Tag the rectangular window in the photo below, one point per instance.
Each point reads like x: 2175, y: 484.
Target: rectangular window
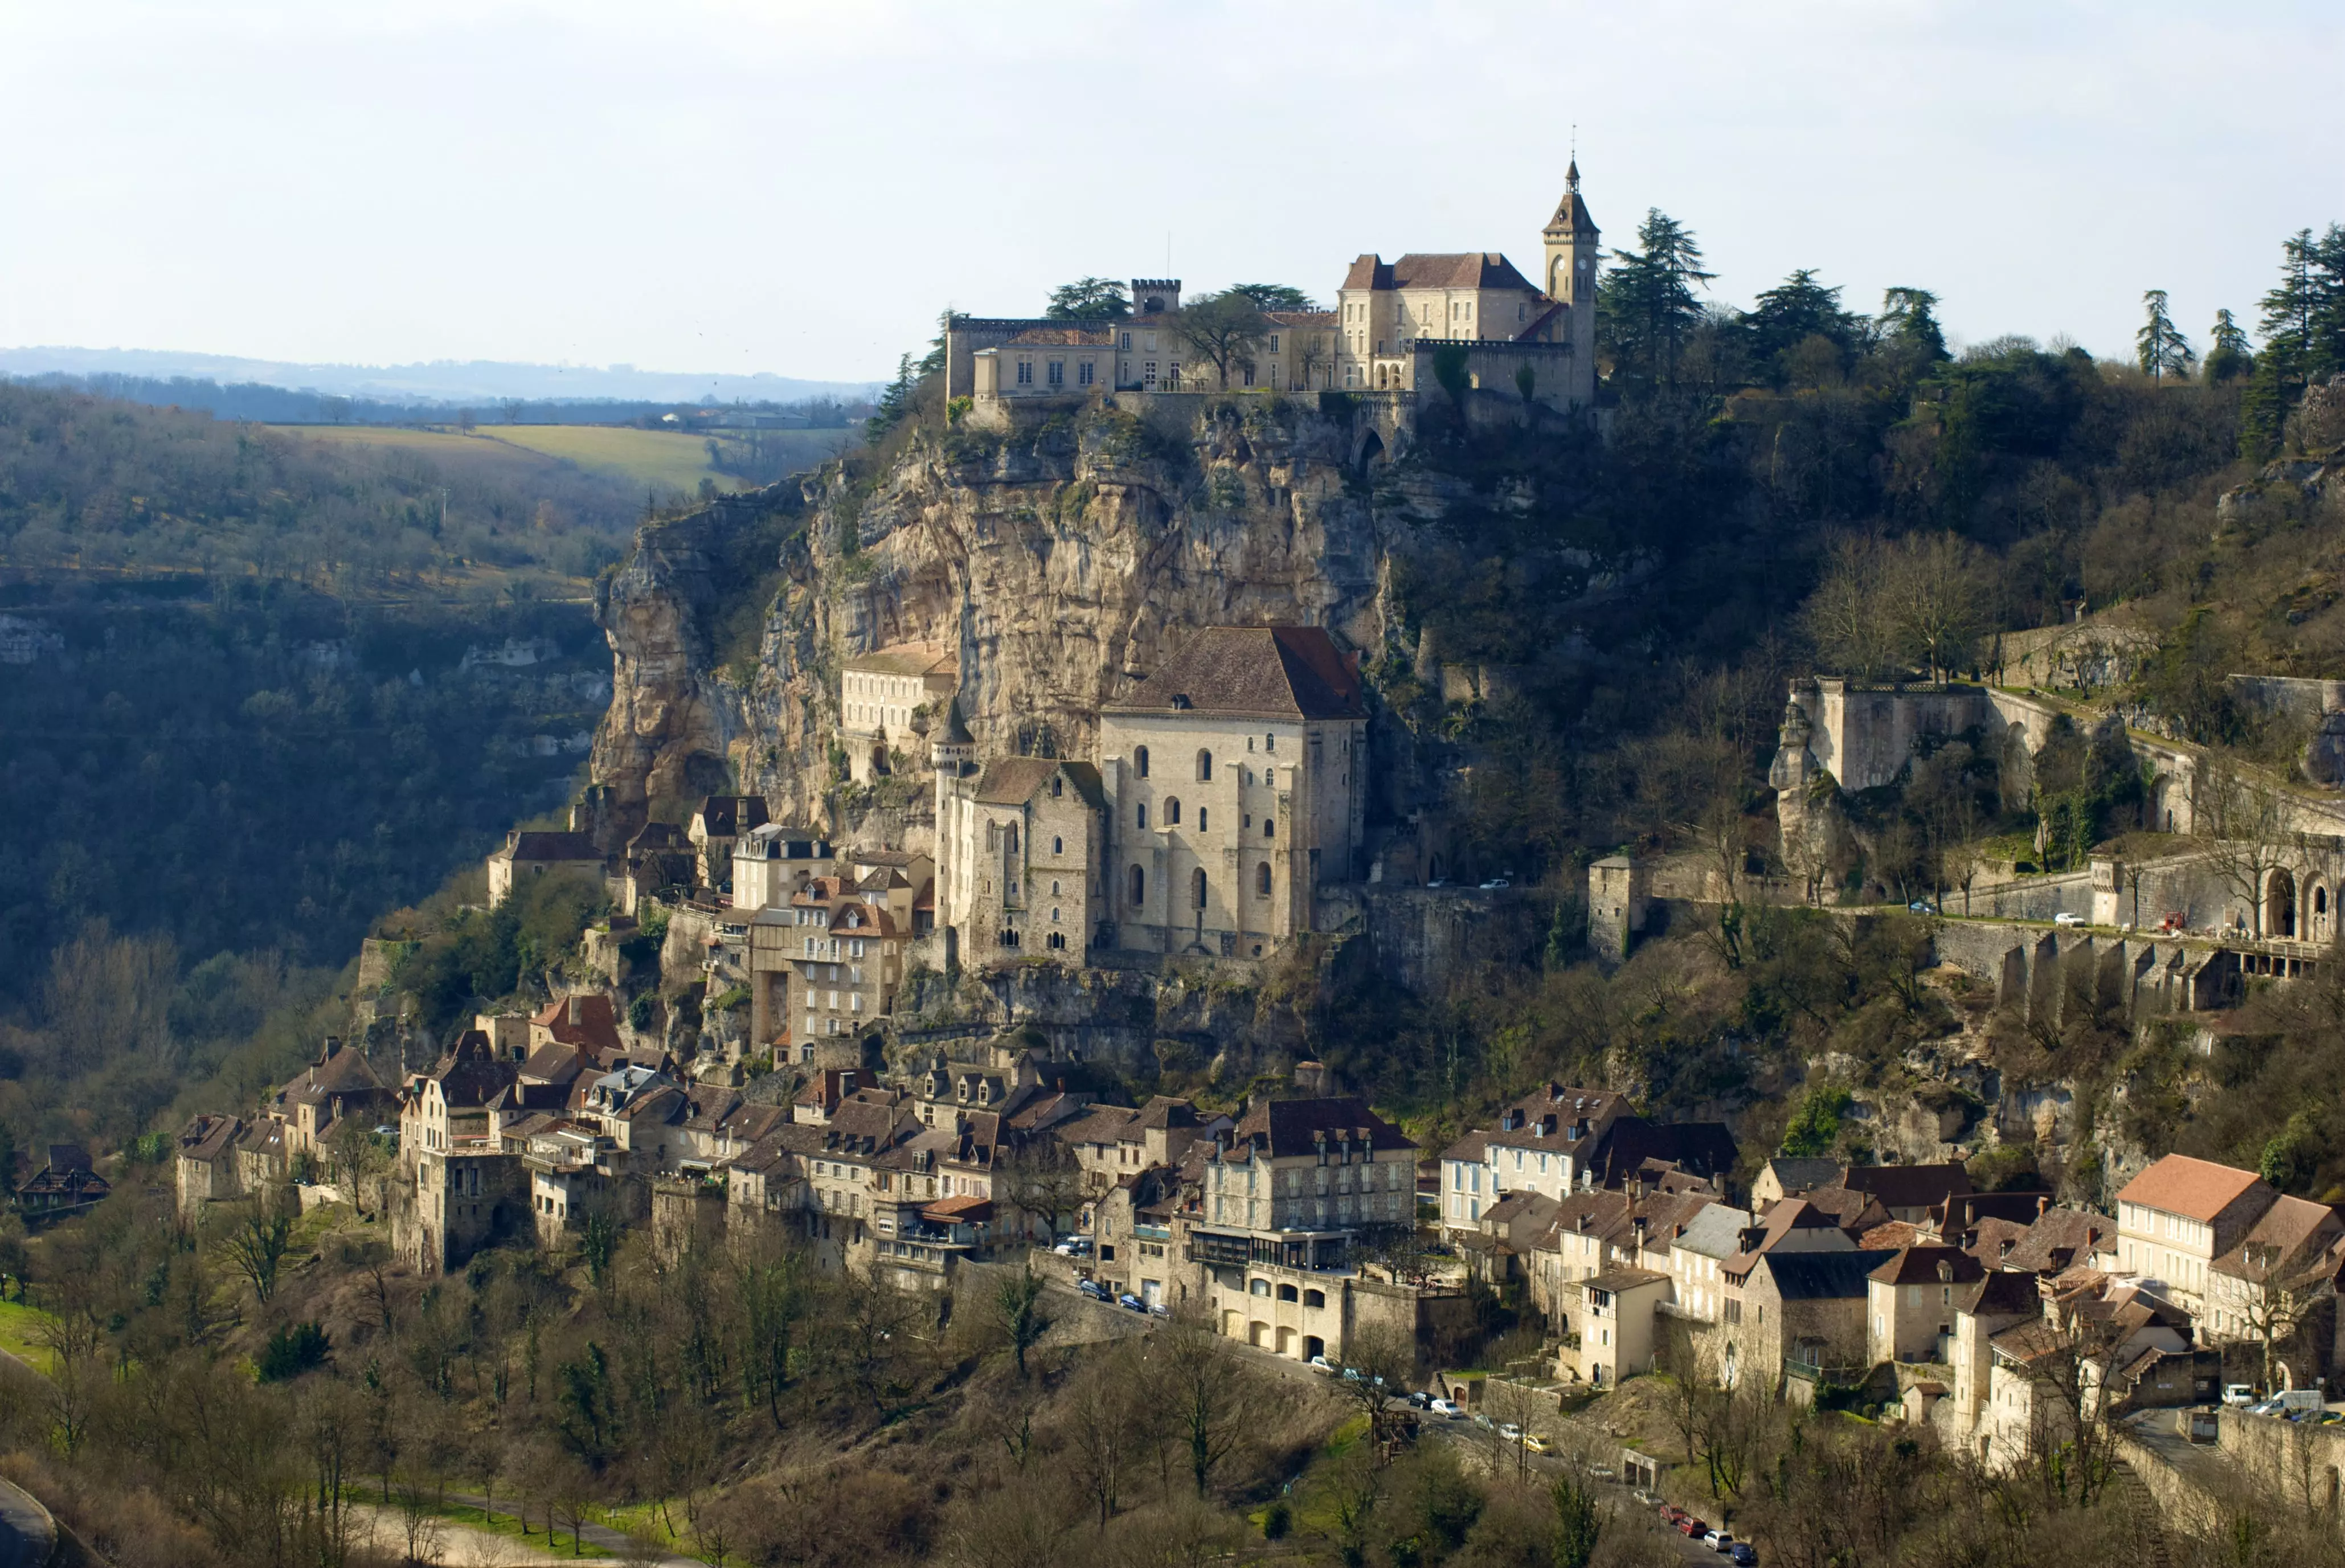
x: 1274, y: 342
x: 1083, y: 374
x: 1025, y: 373
x: 1058, y: 372
x: 1148, y: 373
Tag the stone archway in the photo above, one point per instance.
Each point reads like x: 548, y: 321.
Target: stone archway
x: 2279, y: 904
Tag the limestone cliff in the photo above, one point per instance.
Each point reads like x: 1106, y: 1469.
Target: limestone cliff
x: 1059, y: 560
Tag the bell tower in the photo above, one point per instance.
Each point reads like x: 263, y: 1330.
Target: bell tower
x: 1570, y: 237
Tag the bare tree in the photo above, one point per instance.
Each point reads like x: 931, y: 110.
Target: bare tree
x: 1936, y: 601
x: 2251, y: 840
x: 2272, y: 1301
x: 1378, y: 1365
x: 2069, y: 1359
x: 1203, y: 1391
x: 1225, y: 329
x: 1852, y: 616
x: 1103, y: 1439
x: 259, y: 1236
x: 1041, y: 1181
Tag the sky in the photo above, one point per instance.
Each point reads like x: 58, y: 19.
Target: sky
x: 729, y: 187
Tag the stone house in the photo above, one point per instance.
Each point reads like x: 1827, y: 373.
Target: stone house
x: 1112, y: 1143
x: 462, y: 1198
x: 1698, y: 1257
x: 2283, y: 1268
x: 341, y: 1083
x: 264, y: 1155
x: 1785, y: 1178
x: 1020, y: 855
x: 1235, y: 784
x: 586, y: 1022
x: 1543, y: 1143
x: 1996, y: 1300
x: 1908, y: 1191
x: 886, y: 699
x: 2178, y: 1216
x: 1297, y: 1179
x: 1615, y: 1325
x: 716, y: 827
x: 773, y: 860
x: 1796, y: 1312
x: 532, y: 853
x: 446, y: 1107
x: 1911, y: 1302
x: 205, y: 1167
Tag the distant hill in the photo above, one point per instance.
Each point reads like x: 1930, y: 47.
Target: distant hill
x: 445, y: 382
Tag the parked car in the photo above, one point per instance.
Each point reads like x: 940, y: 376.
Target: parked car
x: 2239, y: 1394
x: 2307, y: 1400
x: 1672, y: 1515
x: 1073, y: 1246
x: 1537, y: 1444
x: 1418, y: 1399
x: 1922, y: 907
x: 1689, y: 1525
x: 1161, y: 1311
x: 1742, y: 1555
x: 1091, y: 1288
x: 1718, y: 1540
x: 1603, y: 1473
x: 2066, y: 918
x: 1495, y: 884
x: 1483, y: 1420
x: 1645, y: 1498
x: 1130, y: 1302
x: 1351, y: 1374
x: 1322, y: 1366
x: 1511, y: 1433
x: 1446, y: 1409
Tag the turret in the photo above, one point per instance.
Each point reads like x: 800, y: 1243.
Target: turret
x: 1571, y: 246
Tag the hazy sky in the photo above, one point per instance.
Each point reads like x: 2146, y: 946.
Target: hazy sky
x: 694, y: 185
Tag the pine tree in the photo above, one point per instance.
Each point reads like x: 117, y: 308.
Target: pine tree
x: 2159, y: 346
x: 1798, y: 308
x: 2229, y: 357
x: 1648, y: 309
x: 1908, y: 319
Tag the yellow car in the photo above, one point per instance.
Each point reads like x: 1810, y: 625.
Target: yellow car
x: 1537, y: 1444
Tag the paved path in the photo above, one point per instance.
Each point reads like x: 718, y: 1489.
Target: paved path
x: 27, y: 1534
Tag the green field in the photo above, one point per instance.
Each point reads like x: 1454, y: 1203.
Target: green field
x: 20, y: 1334
x: 672, y: 461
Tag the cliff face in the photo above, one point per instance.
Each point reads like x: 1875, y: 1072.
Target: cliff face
x: 1060, y: 561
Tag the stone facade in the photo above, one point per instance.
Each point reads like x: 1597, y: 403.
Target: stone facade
x: 1019, y: 845
x: 886, y: 701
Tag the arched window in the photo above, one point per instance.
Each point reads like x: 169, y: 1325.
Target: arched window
x: 1058, y: 847
x: 1204, y: 767
x: 1269, y: 742
x: 1172, y: 812
x: 1269, y: 828
x: 1270, y: 778
x: 1260, y: 880
x: 1142, y: 817
x: 1139, y: 887
x: 1201, y: 819
x: 1140, y: 760
x: 1058, y: 785
x: 1197, y: 886
x: 1010, y: 839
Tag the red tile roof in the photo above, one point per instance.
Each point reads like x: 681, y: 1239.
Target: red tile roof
x: 2195, y: 1188
x: 1273, y: 671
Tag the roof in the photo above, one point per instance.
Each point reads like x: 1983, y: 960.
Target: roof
x: 1273, y: 671
x: 2194, y: 1189
x: 1999, y: 1293
x: 1469, y: 1148
x: 2291, y: 1226
x: 1796, y: 1175
x: 1302, y: 318
x: 1715, y: 1231
x: 1821, y: 1276
x: 209, y: 1137
x: 469, y: 1074
x: 1907, y: 1186
x: 1437, y: 270
x: 917, y: 658
x: 1619, y: 1280
x: 866, y: 919
x: 586, y: 1020
x: 2060, y: 1237
x: 339, y: 1070
x: 1702, y: 1148
x: 1571, y: 213
x: 1890, y: 1236
x: 1852, y: 1211
x: 1928, y: 1264
x: 1014, y: 781
x: 536, y: 845
x: 1293, y: 1127
x: 726, y: 815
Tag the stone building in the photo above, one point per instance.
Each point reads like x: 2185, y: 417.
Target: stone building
x: 339, y: 1085
x: 1400, y: 328
x: 2180, y: 1215
x: 773, y: 860
x: 716, y: 827
x: 1911, y: 1302
x: 1296, y: 1180
x: 207, y: 1166
x: 1235, y: 788
x: 529, y: 854
x: 886, y: 699
x: 1019, y: 856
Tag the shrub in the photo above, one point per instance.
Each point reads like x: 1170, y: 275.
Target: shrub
x: 1277, y: 1521
x: 295, y: 1348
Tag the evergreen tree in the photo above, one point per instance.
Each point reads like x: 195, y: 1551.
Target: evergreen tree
x: 2160, y: 347
x: 1088, y: 299
x: 1908, y: 320
x: 1648, y: 309
x: 1795, y: 310
x: 2304, y: 325
x: 2227, y: 355
x: 1275, y: 295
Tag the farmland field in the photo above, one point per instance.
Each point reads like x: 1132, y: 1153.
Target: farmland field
x: 671, y: 461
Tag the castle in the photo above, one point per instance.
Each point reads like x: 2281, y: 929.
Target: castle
x: 1401, y: 327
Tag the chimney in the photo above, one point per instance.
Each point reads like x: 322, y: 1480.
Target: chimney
x: 2043, y: 1203
x: 1640, y: 1232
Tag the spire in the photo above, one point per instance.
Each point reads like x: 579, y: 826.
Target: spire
x: 1571, y: 175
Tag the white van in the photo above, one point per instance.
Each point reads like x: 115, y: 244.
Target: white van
x: 2289, y: 1400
